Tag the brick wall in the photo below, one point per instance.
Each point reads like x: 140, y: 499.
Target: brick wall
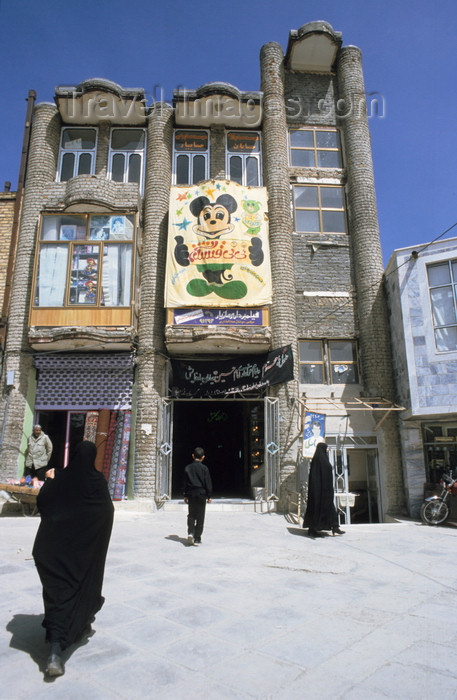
x: 7, y: 202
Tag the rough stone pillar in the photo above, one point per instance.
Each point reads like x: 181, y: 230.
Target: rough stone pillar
x: 283, y: 312
x: 374, y: 331
x: 151, y: 361
x: 41, y: 170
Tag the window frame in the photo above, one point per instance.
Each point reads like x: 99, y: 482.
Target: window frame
x: 452, y: 285
x: 68, y: 241
x: 315, y: 149
x: 77, y: 152
x: 191, y: 154
x: 127, y: 152
x: 326, y: 362
x: 319, y: 208
x: 244, y: 157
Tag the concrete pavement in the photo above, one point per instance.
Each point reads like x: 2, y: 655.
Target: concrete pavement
x: 257, y: 611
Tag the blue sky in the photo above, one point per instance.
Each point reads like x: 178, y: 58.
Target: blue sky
x: 409, y: 58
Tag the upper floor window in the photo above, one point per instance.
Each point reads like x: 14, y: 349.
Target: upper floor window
x: 85, y: 260
x: 442, y: 281
x: 315, y: 148
x: 77, y: 152
x: 243, y: 157
x: 319, y: 209
x: 328, y: 362
x: 126, y: 156
x: 190, y: 156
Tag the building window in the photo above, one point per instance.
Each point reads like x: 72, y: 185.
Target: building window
x: 440, y: 449
x: 85, y: 260
x: 190, y: 156
x: 126, y: 156
x: 77, y: 153
x: 315, y: 148
x: 442, y: 281
x: 319, y: 209
x: 243, y: 158
x: 328, y: 362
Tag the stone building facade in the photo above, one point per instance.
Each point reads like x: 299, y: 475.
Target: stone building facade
x: 108, y: 211
x: 422, y: 296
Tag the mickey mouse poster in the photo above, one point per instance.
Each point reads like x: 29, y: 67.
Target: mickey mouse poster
x: 218, y: 252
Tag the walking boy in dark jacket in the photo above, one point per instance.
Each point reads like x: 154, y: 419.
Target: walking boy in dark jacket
x: 197, y: 490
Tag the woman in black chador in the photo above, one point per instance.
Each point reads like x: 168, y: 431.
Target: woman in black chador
x: 70, y: 550
x: 320, y: 509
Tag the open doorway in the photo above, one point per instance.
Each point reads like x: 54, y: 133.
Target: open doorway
x: 225, y: 430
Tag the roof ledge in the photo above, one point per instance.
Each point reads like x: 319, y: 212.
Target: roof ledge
x: 313, y: 48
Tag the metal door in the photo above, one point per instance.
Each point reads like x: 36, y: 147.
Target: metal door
x: 271, y: 411
x: 165, y: 450
x: 374, y: 492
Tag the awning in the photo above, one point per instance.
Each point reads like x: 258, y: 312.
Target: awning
x: 333, y: 406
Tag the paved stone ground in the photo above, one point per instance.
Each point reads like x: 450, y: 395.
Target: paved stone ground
x: 257, y: 611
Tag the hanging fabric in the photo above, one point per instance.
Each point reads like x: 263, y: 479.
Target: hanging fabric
x: 90, y: 426
x: 101, y: 437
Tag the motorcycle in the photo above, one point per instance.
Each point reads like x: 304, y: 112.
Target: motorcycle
x: 435, y: 510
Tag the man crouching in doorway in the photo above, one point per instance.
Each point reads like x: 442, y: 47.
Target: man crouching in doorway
x: 198, y: 490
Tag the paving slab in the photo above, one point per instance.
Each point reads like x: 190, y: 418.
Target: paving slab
x: 257, y: 611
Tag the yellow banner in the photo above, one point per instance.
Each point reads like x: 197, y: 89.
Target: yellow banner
x: 218, y: 252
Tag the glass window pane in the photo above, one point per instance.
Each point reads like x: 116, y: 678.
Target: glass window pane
x: 84, y: 165
x: 438, y: 274
x: 117, y: 166
x: 332, y: 197
x: 199, y: 170
x: 302, y: 138
x: 236, y: 169
x: 252, y: 171
x: 116, y: 274
x: 84, y: 275
x: 99, y: 227
x: 117, y: 228
x: 344, y: 374
x: 310, y: 350
x: 328, y: 159
x: 307, y: 220
x: 333, y: 222
x: 454, y: 270
x: 326, y: 139
x: 182, y: 170
x: 127, y: 139
x: 443, y: 306
x: 311, y: 374
x: 342, y: 351
x: 78, y: 139
x: 51, y: 276
x: 446, y: 339
x: 302, y: 158
x: 68, y: 167
x: 134, y: 168
x: 306, y: 197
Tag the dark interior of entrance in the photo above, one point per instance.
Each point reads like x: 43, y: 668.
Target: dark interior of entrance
x: 224, y: 430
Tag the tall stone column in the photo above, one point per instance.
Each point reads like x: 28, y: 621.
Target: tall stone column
x: 374, y: 331
x: 41, y: 170
x: 151, y: 360
x: 283, y: 311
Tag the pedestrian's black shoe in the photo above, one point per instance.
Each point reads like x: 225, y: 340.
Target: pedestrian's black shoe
x: 197, y: 541
x: 337, y: 531
x: 315, y: 533
x: 54, y: 666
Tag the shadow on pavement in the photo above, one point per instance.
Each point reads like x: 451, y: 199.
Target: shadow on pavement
x: 177, y: 538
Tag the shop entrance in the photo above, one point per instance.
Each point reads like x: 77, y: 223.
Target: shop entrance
x: 231, y: 433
